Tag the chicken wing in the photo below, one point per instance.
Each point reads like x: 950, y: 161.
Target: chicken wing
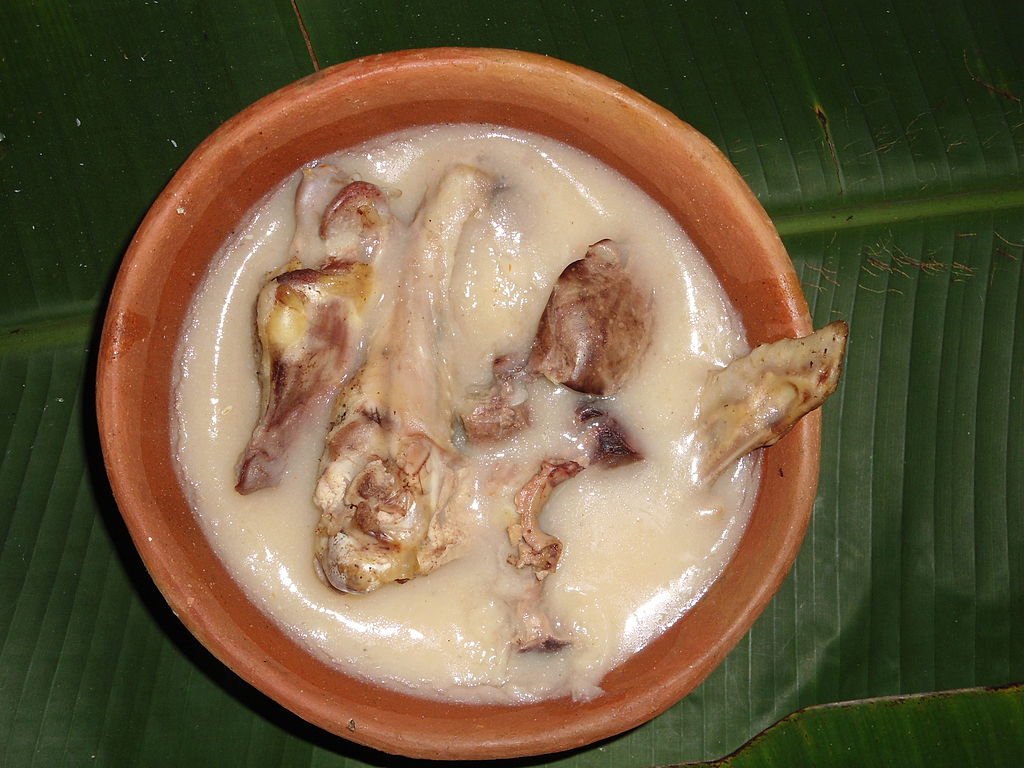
x: 757, y: 398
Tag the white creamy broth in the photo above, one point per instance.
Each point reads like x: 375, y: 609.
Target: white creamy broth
x: 641, y: 542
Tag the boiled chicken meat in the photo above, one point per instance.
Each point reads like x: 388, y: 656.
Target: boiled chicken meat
x: 535, y: 548
x: 534, y: 629
x: 309, y: 321
x: 500, y: 411
x: 539, y: 551
x: 757, y: 398
x: 390, y: 473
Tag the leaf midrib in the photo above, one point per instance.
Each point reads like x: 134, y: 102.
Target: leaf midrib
x: 62, y: 328
x: 73, y: 326
x: 896, y: 211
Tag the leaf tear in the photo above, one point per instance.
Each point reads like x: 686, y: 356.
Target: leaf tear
x: 998, y: 91
x: 819, y: 112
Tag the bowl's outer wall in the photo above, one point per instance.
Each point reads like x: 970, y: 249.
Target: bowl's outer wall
x: 208, y: 199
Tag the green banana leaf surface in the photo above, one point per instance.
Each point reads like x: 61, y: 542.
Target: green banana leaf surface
x: 885, y: 139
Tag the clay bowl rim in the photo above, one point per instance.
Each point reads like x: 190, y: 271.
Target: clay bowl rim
x: 209, y: 196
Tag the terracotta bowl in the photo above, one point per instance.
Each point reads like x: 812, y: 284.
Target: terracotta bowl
x: 340, y: 107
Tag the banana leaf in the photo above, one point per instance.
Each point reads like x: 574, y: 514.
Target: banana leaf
x: 886, y: 140
x: 967, y: 727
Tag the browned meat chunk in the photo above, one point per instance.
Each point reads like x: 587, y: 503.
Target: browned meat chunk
x: 756, y: 399
x: 606, y: 441
x: 595, y: 327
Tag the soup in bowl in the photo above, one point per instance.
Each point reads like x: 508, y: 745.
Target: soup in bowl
x: 508, y: 184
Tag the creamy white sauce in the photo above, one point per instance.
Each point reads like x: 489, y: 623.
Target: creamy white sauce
x: 641, y: 542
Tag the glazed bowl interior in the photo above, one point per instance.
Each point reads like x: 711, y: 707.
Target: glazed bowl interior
x: 341, y: 107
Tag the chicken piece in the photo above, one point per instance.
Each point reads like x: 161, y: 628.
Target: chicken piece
x: 501, y: 411
x: 534, y: 629
x: 539, y: 550
x: 309, y: 330
x: 607, y: 444
x: 757, y: 398
x: 390, y: 472
x: 354, y: 223
x: 595, y: 327
x: 326, y: 200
